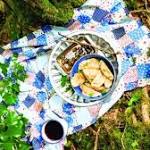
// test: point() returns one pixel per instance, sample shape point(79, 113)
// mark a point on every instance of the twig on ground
point(73, 147)
point(145, 106)
point(134, 119)
point(96, 138)
point(146, 4)
point(92, 130)
point(141, 10)
point(123, 136)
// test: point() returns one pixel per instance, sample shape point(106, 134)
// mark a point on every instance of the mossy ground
point(125, 126)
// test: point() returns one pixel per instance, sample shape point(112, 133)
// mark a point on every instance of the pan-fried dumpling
point(89, 64)
point(90, 74)
point(88, 85)
point(77, 80)
point(88, 91)
point(107, 83)
point(99, 79)
point(105, 70)
point(98, 88)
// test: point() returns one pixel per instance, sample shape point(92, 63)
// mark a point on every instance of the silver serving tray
point(104, 41)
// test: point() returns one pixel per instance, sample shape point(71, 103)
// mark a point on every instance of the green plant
point(12, 130)
point(131, 4)
point(82, 140)
point(18, 18)
point(65, 82)
point(135, 97)
point(12, 73)
point(12, 124)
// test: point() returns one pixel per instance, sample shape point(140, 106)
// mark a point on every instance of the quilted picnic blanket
point(37, 98)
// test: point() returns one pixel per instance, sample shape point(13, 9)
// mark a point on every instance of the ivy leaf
point(7, 145)
point(2, 84)
point(4, 68)
point(20, 72)
point(10, 98)
point(14, 131)
point(135, 144)
point(15, 88)
point(12, 125)
point(3, 109)
point(135, 97)
point(23, 146)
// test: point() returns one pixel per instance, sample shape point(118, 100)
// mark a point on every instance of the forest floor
point(126, 126)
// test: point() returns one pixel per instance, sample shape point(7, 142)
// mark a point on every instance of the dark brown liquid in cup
point(54, 130)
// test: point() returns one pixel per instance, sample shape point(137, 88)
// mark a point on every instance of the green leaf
point(90, 94)
point(64, 80)
point(7, 146)
point(4, 68)
point(10, 98)
point(15, 87)
point(135, 144)
point(23, 146)
point(12, 118)
point(3, 109)
point(14, 131)
point(135, 97)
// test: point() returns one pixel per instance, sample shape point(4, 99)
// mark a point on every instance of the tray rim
point(107, 38)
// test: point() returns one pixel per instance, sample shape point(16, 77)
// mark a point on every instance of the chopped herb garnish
point(80, 71)
point(104, 91)
point(86, 64)
point(91, 94)
point(64, 80)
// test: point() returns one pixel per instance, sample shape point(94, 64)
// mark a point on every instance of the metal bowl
point(75, 69)
point(105, 42)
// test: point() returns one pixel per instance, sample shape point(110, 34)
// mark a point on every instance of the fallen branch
point(96, 139)
point(92, 130)
point(134, 119)
point(73, 147)
point(123, 136)
point(141, 10)
point(145, 106)
point(146, 4)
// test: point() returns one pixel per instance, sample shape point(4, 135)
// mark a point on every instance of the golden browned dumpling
point(94, 77)
point(89, 91)
point(88, 85)
point(98, 80)
point(107, 83)
point(105, 70)
point(90, 74)
point(89, 64)
point(98, 88)
point(77, 80)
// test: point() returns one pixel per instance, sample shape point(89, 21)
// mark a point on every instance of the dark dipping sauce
point(54, 130)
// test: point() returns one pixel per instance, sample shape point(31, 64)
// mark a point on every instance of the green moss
point(119, 133)
point(18, 18)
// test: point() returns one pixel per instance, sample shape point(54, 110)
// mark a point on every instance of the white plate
point(104, 40)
